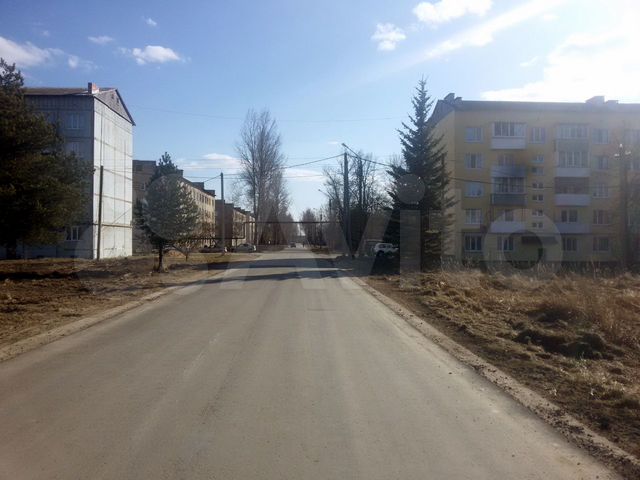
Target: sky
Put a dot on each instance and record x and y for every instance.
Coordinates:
(329, 72)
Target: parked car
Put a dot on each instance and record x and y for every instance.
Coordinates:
(246, 247)
(293, 244)
(213, 249)
(384, 249)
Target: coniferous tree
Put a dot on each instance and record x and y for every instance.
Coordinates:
(419, 180)
(168, 213)
(42, 188)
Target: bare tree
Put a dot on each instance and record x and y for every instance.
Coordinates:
(260, 153)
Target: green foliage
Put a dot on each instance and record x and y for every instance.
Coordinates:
(168, 214)
(42, 188)
(419, 180)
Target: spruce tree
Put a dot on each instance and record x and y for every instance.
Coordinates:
(419, 180)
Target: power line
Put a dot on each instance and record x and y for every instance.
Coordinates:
(229, 117)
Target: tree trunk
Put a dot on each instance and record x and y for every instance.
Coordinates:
(161, 258)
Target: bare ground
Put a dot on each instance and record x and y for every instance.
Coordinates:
(574, 339)
(39, 295)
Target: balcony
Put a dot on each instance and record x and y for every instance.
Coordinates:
(575, 172)
(573, 199)
(508, 143)
(509, 171)
(571, 228)
(508, 199)
(501, 226)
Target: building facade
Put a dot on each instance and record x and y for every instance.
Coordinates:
(537, 181)
(204, 198)
(97, 127)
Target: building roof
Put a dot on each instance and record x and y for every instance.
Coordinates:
(597, 104)
(109, 96)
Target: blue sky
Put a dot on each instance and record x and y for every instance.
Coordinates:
(330, 72)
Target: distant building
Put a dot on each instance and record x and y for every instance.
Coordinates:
(239, 224)
(95, 125)
(537, 181)
(143, 170)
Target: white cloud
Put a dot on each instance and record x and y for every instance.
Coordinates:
(45, 33)
(26, 55)
(101, 39)
(447, 10)
(484, 33)
(151, 22)
(387, 35)
(152, 54)
(530, 63)
(213, 161)
(584, 65)
(73, 61)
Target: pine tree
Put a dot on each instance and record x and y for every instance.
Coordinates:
(168, 213)
(419, 180)
(42, 188)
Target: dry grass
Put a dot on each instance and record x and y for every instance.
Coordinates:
(38, 295)
(571, 337)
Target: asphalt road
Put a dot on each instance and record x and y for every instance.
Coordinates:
(280, 369)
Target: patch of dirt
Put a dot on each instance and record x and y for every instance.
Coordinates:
(39, 295)
(573, 339)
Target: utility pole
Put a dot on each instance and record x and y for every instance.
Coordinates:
(222, 222)
(347, 221)
(624, 204)
(99, 242)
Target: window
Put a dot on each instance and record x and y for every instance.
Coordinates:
(537, 225)
(506, 159)
(537, 171)
(473, 189)
(74, 147)
(508, 185)
(473, 216)
(73, 233)
(505, 243)
(574, 159)
(74, 121)
(601, 217)
(600, 244)
(473, 243)
(601, 190)
(569, 244)
(473, 134)
(537, 185)
(632, 137)
(507, 215)
(569, 216)
(537, 213)
(538, 135)
(572, 132)
(508, 129)
(538, 159)
(538, 197)
(473, 160)
(600, 136)
(602, 162)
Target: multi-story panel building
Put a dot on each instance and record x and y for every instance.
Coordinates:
(536, 180)
(95, 125)
(143, 170)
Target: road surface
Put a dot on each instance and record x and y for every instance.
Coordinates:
(278, 369)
